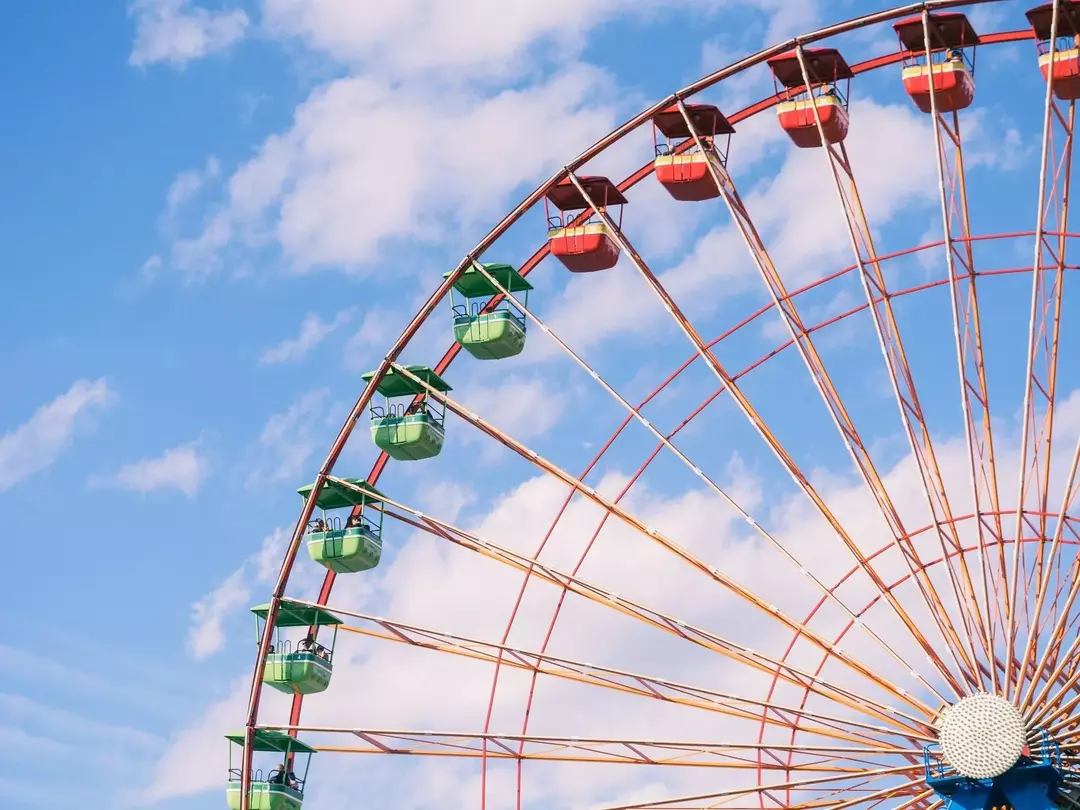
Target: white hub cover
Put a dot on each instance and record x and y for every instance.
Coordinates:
(982, 736)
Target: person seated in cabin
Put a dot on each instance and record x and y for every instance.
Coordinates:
(956, 56)
(277, 776)
(354, 522)
(415, 408)
(319, 525)
(828, 91)
(306, 645)
(291, 781)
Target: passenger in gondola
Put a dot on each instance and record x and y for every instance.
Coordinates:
(306, 645)
(956, 56)
(354, 522)
(277, 776)
(828, 91)
(290, 780)
(319, 525)
(415, 408)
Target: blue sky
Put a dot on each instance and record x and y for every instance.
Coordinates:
(218, 215)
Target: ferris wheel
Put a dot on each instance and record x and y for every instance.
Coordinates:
(918, 653)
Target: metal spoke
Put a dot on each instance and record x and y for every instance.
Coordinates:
(903, 385)
(652, 533)
(796, 474)
(753, 658)
(784, 305)
(595, 750)
(967, 331)
(1057, 635)
(1040, 379)
(647, 686)
(697, 799)
(697, 471)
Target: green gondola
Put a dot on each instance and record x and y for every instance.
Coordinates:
(277, 788)
(413, 431)
(354, 546)
(489, 333)
(303, 668)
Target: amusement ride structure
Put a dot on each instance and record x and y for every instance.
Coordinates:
(987, 716)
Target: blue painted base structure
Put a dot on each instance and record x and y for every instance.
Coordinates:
(1027, 785)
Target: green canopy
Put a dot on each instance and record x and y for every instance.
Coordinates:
(267, 740)
(398, 385)
(295, 614)
(473, 284)
(335, 496)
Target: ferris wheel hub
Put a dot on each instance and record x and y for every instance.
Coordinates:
(982, 736)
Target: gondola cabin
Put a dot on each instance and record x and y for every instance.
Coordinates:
(583, 243)
(303, 667)
(1066, 56)
(354, 543)
(276, 761)
(489, 329)
(807, 101)
(685, 171)
(951, 62)
(408, 430)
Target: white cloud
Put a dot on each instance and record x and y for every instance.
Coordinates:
(313, 331)
(289, 438)
(365, 345)
(198, 257)
(188, 184)
(207, 633)
(175, 31)
(328, 193)
(500, 36)
(523, 407)
(150, 267)
(206, 636)
(37, 443)
(181, 468)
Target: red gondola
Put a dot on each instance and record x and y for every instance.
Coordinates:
(686, 174)
(1067, 48)
(825, 68)
(952, 68)
(586, 246)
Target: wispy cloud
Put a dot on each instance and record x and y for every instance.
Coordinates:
(37, 443)
(182, 468)
(313, 331)
(367, 341)
(176, 32)
(207, 633)
(150, 268)
(187, 185)
(144, 691)
(289, 438)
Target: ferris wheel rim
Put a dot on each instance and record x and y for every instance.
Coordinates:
(603, 144)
